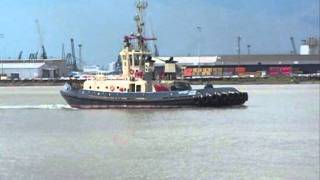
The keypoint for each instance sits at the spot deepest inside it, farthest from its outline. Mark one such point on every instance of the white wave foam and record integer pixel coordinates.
(42, 106)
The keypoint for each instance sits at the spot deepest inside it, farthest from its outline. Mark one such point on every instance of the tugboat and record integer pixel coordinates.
(137, 86)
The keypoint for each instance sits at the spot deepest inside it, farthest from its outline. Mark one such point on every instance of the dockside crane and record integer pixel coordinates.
(155, 46)
(43, 54)
(293, 44)
(73, 53)
(156, 50)
(81, 63)
(20, 55)
(63, 52)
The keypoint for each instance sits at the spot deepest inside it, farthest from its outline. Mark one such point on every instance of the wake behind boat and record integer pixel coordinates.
(137, 86)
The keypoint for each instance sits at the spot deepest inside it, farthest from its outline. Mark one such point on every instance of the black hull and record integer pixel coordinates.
(217, 97)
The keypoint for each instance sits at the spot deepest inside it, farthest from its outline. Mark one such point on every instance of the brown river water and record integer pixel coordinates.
(275, 136)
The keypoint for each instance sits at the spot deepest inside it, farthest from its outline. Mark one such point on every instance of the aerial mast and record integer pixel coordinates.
(141, 6)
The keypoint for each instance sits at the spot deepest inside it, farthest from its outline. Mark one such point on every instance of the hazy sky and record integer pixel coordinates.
(100, 25)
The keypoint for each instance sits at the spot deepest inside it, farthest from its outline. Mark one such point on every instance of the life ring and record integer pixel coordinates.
(131, 72)
(112, 88)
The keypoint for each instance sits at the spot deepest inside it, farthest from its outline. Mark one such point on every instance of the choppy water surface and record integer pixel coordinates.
(275, 137)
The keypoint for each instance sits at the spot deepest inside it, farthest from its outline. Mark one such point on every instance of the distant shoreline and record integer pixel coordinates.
(216, 81)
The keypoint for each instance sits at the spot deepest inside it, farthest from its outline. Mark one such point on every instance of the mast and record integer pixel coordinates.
(135, 51)
(141, 6)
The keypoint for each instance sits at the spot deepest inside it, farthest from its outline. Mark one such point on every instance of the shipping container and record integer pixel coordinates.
(209, 70)
(218, 72)
(240, 70)
(196, 70)
(228, 71)
(274, 71)
(286, 71)
(187, 72)
(206, 73)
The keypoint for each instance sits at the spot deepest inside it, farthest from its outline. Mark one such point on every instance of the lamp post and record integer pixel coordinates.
(199, 29)
(199, 38)
(239, 48)
(249, 46)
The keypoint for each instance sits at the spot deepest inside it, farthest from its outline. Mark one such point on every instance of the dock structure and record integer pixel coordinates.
(228, 65)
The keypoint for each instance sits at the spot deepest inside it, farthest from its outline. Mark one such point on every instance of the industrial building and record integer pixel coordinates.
(296, 64)
(30, 69)
(22, 70)
(56, 68)
(241, 60)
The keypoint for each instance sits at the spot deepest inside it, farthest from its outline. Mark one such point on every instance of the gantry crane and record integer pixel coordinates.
(43, 54)
(293, 44)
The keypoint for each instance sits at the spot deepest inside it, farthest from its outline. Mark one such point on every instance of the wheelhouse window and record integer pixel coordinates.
(130, 59)
(138, 88)
(136, 60)
(132, 88)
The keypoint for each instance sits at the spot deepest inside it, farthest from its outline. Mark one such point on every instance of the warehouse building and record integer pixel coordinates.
(225, 60)
(188, 60)
(22, 70)
(305, 63)
(30, 69)
(249, 64)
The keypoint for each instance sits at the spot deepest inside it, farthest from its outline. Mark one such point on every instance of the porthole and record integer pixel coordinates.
(98, 87)
(89, 87)
(106, 87)
(117, 87)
